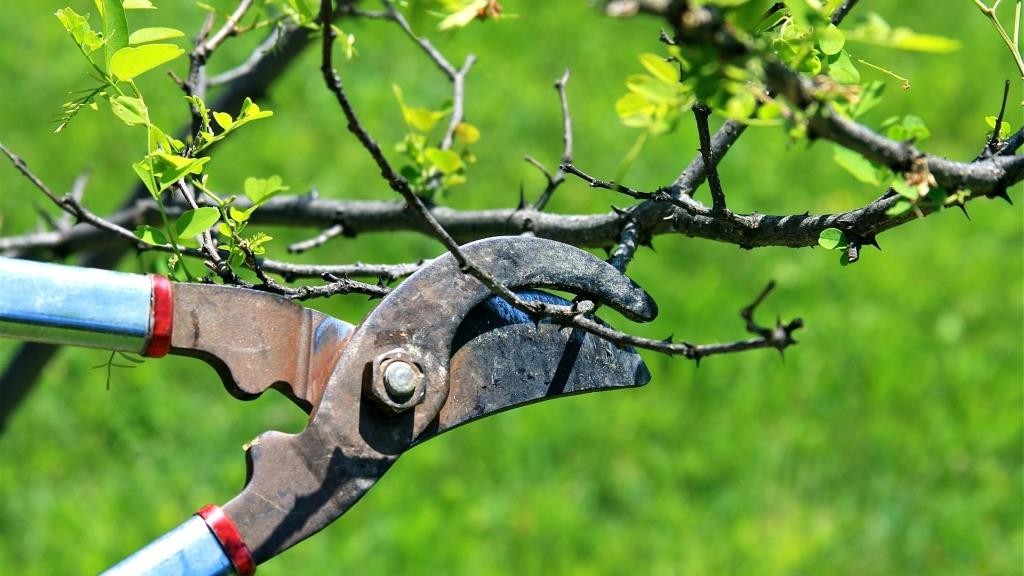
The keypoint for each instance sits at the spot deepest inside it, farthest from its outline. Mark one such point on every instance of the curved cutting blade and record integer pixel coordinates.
(501, 360)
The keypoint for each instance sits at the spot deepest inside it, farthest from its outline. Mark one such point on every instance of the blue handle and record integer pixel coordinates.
(77, 306)
(191, 549)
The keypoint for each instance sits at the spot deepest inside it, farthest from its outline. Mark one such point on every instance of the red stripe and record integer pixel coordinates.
(230, 540)
(161, 318)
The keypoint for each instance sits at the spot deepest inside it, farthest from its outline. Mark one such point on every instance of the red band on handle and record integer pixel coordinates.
(161, 318)
(230, 540)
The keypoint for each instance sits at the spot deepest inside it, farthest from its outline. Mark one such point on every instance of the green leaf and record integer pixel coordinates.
(259, 190)
(841, 68)
(194, 222)
(901, 187)
(138, 5)
(860, 167)
(115, 29)
(145, 174)
(461, 17)
(901, 206)
(131, 111)
(1004, 127)
(659, 68)
(250, 111)
(151, 235)
(634, 110)
(240, 216)
(422, 119)
(347, 41)
(832, 239)
(831, 39)
(169, 168)
(223, 120)
(870, 96)
(127, 63)
(907, 39)
(446, 161)
(466, 133)
(81, 32)
(257, 241)
(652, 89)
(147, 35)
(908, 127)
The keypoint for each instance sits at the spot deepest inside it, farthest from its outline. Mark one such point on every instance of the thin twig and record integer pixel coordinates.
(567, 144)
(387, 272)
(701, 113)
(993, 142)
(318, 240)
(840, 14)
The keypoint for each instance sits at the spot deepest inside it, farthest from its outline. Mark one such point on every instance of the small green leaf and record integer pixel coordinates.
(466, 133)
(659, 68)
(138, 5)
(831, 39)
(131, 111)
(147, 35)
(144, 173)
(194, 222)
(901, 187)
(908, 127)
(251, 111)
(151, 235)
(461, 17)
(169, 168)
(259, 190)
(347, 41)
(832, 239)
(841, 68)
(1004, 127)
(652, 89)
(240, 216)
(115, 29)
(127, 63)
(80, 30)
(860, 167)
(257, 241)
(446, 161)
(634, 110)
(900, 207)
(223, 120)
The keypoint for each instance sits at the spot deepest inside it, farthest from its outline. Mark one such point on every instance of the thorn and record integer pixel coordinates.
(696, 361)
(1004, 195)
(669, 339)
(873, 241)
(648, 243)
(963, 208)
(620, 211)
(522, 198)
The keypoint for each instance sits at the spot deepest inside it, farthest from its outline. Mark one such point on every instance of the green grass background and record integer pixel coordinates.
(888, 442)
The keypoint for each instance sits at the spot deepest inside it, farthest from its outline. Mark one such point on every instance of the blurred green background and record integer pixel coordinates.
(888, 442)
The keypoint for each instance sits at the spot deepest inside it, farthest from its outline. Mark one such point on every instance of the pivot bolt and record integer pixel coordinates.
(401, 379)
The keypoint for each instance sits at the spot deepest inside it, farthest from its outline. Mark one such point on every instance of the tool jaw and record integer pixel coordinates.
(300, 483)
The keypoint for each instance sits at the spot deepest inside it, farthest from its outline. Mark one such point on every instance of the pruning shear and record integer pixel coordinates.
(438, 352)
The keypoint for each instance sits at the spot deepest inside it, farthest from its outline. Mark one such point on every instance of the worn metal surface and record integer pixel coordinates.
(300, 483)
(77, 306)
(191, 549)
(502, 360)
(257, 340)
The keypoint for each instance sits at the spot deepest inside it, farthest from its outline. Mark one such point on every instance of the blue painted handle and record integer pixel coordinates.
(191, 549)
(77, 306)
